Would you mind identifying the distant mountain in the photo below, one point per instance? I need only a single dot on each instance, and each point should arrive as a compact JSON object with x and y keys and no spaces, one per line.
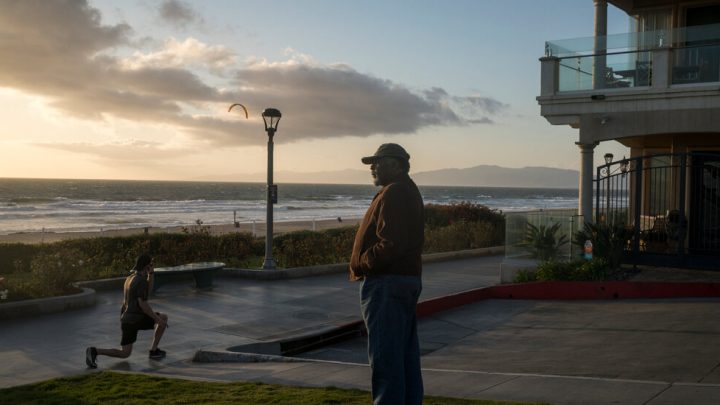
{"x":496,"y":176}
{"x":479,"y":176}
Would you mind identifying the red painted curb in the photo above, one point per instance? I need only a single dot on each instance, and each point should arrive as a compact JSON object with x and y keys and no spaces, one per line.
{"x":434,"y":305}
{"x":571,"y":290}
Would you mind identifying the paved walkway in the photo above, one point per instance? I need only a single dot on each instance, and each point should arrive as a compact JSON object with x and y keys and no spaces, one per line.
{"x":573,"y":352}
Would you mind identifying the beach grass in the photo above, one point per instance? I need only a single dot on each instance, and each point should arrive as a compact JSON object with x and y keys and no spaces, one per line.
{"x":124,"y":388}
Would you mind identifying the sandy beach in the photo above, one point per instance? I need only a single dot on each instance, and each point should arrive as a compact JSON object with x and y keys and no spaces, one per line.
{"x":257,"y":228}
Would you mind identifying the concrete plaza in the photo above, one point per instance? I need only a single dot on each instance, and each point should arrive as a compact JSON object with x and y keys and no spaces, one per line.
{"x":638,"y":351}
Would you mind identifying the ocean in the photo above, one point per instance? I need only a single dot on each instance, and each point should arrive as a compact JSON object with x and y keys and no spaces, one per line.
{"x":37,"y":205}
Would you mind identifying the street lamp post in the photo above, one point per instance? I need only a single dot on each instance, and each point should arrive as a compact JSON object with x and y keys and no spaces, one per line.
{"x":271,"y":116}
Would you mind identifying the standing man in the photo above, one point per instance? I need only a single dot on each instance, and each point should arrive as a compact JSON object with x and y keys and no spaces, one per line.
{"x":136,"y":314}
{"x":386,"y":257}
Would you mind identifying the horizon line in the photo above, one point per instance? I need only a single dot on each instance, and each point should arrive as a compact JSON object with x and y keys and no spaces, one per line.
{"x":263,"y":183}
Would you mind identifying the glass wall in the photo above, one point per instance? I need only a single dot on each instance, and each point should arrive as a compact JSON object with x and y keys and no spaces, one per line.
{"x":520,"y":238}
{"x":697,"y":56}
{"x":656,"y":22}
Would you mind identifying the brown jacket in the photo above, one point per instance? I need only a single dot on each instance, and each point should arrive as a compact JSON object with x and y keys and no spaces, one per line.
{"x":391,"y":235}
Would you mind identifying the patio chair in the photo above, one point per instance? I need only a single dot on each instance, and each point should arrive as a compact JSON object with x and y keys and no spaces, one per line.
{"x":675,"y":226}
{"x":611,"y":81}
{"x":655,"y":238}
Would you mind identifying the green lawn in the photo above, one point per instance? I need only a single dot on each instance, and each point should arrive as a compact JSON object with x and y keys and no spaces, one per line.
{"x":122,"y":388}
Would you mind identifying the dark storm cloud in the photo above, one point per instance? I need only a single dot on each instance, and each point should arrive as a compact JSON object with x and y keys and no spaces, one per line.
{"x":338,"y":101}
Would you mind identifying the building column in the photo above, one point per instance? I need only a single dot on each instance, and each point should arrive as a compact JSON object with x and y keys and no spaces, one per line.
{"x":585,"y":187}
{"x":600,"y":50}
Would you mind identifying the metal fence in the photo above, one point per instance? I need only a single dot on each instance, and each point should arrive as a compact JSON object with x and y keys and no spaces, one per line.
{"x":670,"y":201}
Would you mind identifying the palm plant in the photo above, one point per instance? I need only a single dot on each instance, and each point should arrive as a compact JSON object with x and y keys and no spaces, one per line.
{"x":543,"y":242}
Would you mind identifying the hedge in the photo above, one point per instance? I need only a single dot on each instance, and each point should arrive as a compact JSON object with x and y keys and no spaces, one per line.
{"x":36,"y":270}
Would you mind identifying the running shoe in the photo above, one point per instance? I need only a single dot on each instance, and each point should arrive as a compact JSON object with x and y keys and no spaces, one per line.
{"x":157,"y":354}
{"x":90,"y":356}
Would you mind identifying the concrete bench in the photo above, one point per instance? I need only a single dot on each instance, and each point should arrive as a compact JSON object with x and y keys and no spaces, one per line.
{"x":202,"y":272}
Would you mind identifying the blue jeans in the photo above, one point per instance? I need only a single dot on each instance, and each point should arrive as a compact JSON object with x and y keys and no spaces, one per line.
{"x":388,"y":308}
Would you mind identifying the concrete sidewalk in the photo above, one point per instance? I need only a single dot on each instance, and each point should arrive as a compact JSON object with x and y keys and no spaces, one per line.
{"x":563,"y":352}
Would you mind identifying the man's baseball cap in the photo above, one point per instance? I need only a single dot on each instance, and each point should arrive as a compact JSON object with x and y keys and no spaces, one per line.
{"x":387,"y":150}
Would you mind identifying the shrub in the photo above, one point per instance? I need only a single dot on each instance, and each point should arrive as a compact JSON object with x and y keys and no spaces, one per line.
{"x":305,"y":248}
{"x":578,"y":270}
{"x":17,"y":287}
{"x":461,"y":226}
{"x":463,"y":235}
{"x":596,"y":269}
{"x":525,"y":276}
{"x":609,"y":241}
{"x":239,"y":249}
{"x":52,"y":274}
{"x":15,"y":257}
{"x":443,"y":215}
{"x":557,"y":271}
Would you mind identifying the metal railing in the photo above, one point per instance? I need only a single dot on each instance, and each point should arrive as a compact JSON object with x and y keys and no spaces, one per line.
{"x":670,"y":201}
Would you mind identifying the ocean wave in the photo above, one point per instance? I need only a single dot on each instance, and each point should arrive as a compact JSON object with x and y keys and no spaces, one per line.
{"x":92,"y":205}
{"x":33,"y":200}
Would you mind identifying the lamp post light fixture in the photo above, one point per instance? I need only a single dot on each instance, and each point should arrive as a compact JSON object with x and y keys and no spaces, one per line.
{"x":608,"y":159}
{"x":271,"y":116}
{"x":624,"y":165}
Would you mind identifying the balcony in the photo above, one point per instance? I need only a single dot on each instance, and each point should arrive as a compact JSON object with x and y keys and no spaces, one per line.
{"x":633,"y":85}
{"x":657,"y":59}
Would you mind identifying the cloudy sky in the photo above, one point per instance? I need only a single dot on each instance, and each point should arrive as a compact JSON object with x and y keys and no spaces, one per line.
{"x":140,"y":89}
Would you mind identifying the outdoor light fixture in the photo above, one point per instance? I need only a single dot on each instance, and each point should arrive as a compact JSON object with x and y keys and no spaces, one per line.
{"x":271,"y":116}
{"x":624,"y":165}
{"x":606,"y":173}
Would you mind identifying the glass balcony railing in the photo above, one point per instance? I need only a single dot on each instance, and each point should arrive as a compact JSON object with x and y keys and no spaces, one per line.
{"x":626,"y":60}
{"x":699,"y":63}
{"x":620,"y":70}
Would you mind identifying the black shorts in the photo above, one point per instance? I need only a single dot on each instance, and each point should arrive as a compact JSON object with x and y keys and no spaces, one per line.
{"x":130,"y":329}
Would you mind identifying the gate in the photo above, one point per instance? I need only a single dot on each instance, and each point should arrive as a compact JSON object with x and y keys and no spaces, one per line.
{"x":670,"y":201}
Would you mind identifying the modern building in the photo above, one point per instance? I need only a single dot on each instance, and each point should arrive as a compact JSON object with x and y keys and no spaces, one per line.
{"x":655,"y":90}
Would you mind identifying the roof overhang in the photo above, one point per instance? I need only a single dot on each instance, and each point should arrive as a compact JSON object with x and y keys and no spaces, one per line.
{"x":624,"y":5}
{"x":631,"y":6}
